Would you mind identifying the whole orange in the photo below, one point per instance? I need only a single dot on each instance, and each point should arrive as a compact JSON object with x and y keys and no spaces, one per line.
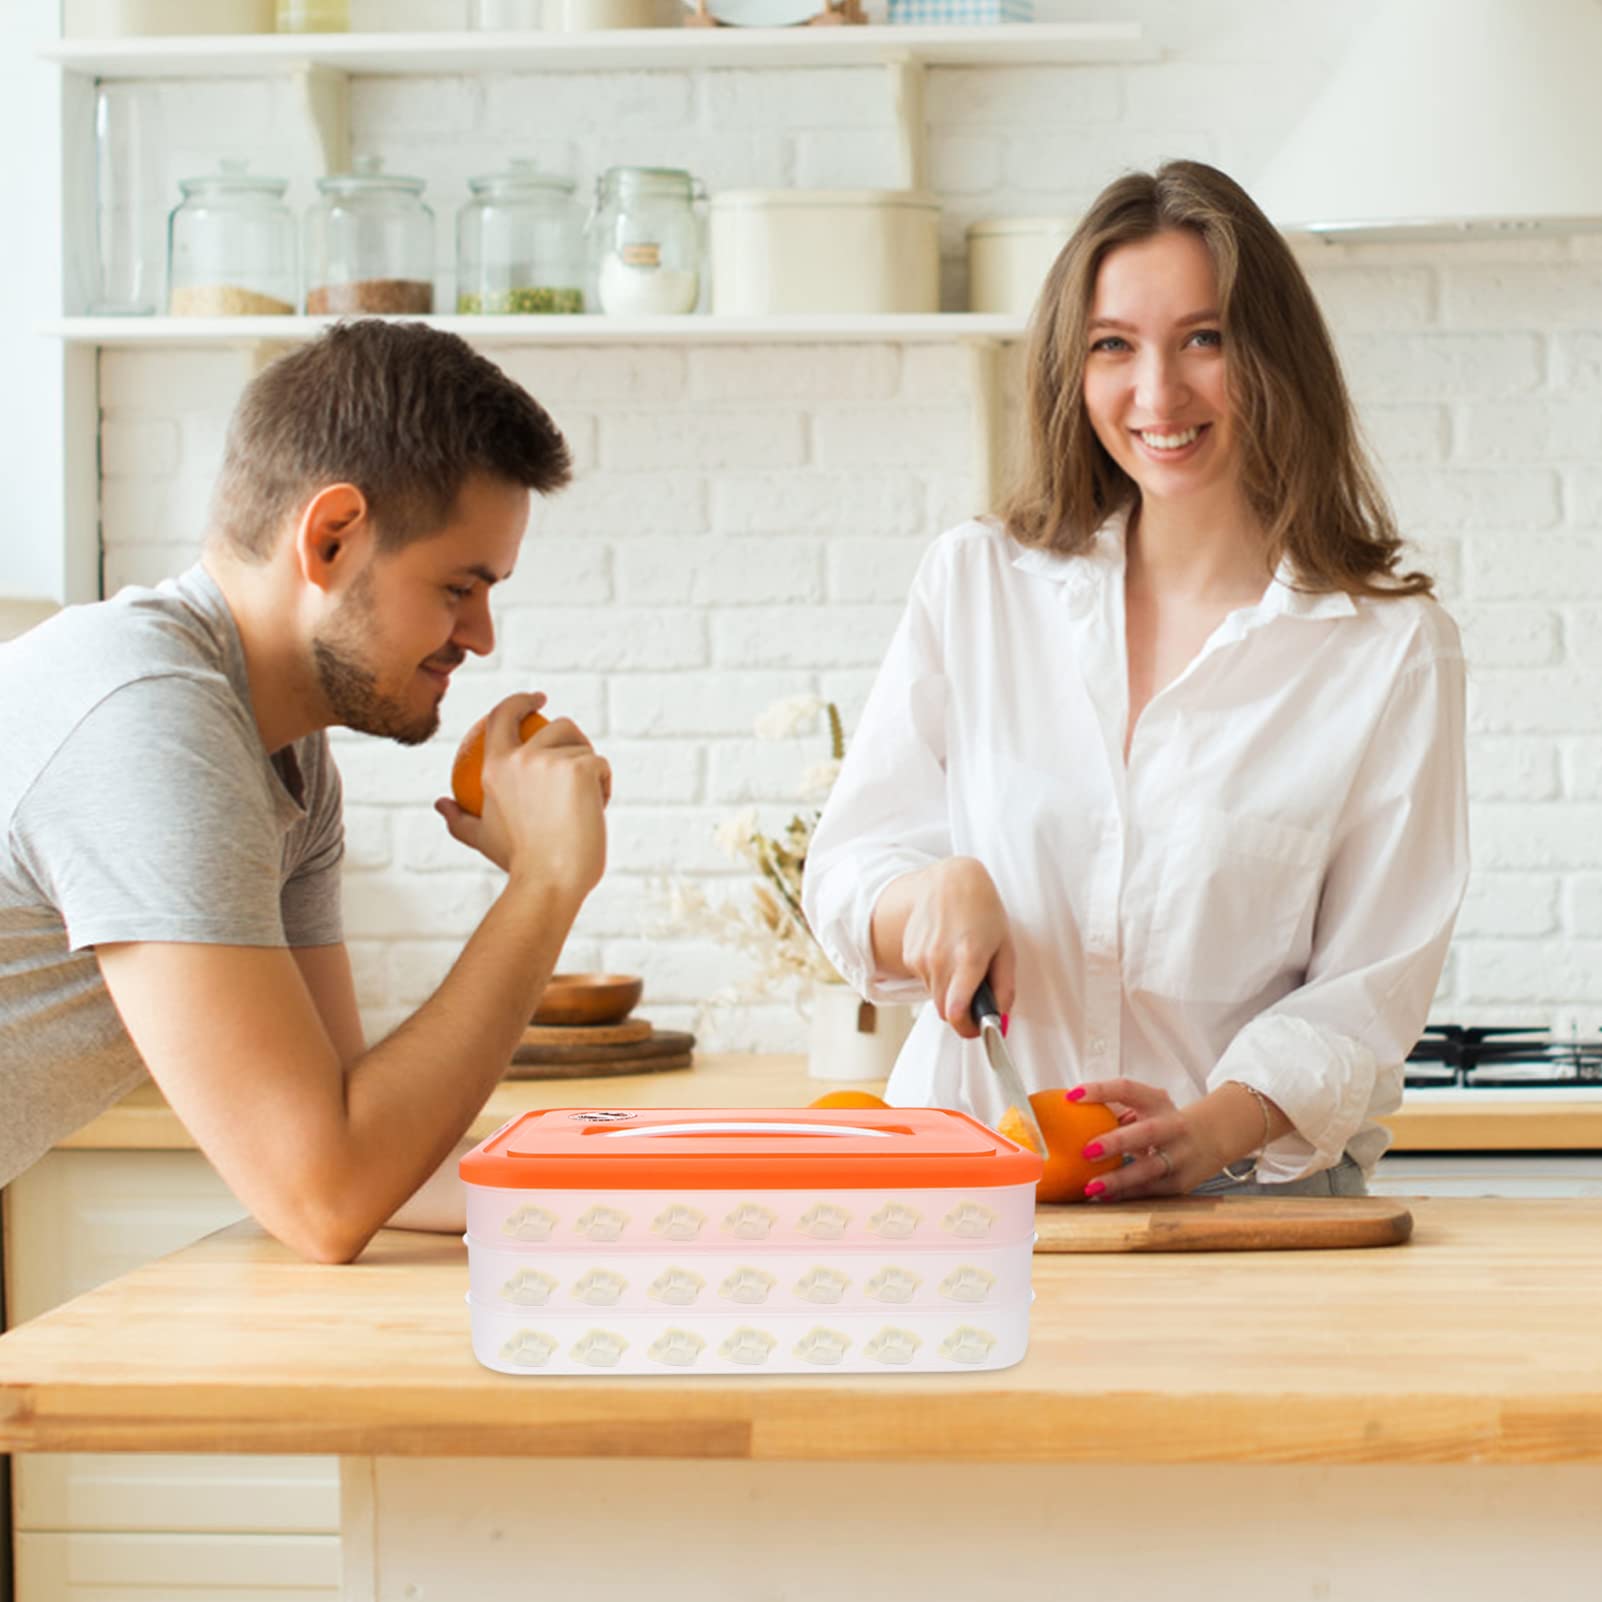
{"x":1068,"y":1126}
{"x":467,"y":771}
{"x":848,"y":1098}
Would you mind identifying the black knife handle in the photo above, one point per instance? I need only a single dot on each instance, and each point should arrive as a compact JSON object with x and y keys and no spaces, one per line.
{"x":983,"y":1004}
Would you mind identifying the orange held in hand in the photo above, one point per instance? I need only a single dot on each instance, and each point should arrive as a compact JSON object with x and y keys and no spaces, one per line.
{"x":848,"y":1098}
{"x":1069,"y":1126}
{"x":467,"y":772}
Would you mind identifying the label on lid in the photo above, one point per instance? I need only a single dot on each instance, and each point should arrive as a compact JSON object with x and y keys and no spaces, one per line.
{"x":772,"y":1148}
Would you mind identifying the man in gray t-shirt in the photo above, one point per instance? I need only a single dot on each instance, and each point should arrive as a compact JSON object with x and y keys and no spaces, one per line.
{"x":141,"y":806}
{"x":170,"y":827}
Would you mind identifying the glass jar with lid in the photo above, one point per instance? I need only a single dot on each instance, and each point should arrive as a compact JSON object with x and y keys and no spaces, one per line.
{"x":645,"y":242}
{"x":520,"y":244}
{"x":369,"y":244}
{"x":313,"y":16}
{"x":231,"y":247}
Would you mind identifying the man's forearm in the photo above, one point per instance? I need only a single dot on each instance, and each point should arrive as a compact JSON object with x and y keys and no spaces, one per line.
{"x":409,"y":1099}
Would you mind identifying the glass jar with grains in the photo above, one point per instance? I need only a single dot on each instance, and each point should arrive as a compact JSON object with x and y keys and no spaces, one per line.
{"x":645,"y":240}
{"x":369,"y":244}
{"x":519,"y":244}
{"x":231,"y":247}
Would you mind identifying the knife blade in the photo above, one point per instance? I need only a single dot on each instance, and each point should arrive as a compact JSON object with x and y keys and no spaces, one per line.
{"x":988,"y":1016}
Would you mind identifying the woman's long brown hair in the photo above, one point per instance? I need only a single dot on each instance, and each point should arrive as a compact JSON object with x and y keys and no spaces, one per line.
{"x":1304,"y":471}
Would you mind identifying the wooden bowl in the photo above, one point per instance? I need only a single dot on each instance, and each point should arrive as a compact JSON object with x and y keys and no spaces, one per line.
{"x":589,"y":998}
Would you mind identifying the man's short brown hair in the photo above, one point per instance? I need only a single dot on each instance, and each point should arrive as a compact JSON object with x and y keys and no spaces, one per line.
{"x":401,"y":410}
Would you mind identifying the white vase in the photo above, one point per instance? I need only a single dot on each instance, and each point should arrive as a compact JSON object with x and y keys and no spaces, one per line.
{"x":852,"y":1039}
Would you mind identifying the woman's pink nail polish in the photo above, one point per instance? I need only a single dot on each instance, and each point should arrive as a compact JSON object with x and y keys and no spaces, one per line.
{"x":1095,"y":1188}
{"x":1005,"y":1018}
{"x":1094,"y":1150}
{"x":1076,"y":1093}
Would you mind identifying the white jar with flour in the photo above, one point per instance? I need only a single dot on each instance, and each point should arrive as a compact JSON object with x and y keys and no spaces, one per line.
{"x":645,"y":242}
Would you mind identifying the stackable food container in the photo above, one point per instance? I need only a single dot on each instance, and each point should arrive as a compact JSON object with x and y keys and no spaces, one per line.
{"x":748,"y":1241}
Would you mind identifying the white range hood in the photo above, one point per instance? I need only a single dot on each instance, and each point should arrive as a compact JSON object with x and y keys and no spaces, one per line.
{"x":1451,"y":117}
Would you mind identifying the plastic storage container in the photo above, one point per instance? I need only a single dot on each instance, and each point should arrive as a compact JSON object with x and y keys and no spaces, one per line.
{"x":370,"y":244}
{"x":1008,"y":259}
{"x":824,"y":250}
{"x":520,"y":245}
{"x":645,"y":242}
{"x":739,"y":1241}
{"x":231,"y":247}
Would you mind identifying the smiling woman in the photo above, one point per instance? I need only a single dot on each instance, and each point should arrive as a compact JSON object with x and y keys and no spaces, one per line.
{"x":1171,"y":749}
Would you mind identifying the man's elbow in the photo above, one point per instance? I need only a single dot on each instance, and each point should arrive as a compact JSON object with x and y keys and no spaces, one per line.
{"x":326,"y":1233}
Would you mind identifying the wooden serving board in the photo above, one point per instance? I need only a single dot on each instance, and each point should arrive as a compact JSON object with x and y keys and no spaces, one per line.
{"x":664,"y":1050}
{"x":588,"y":1035}
{"x":597,"y":1070}
{"x":1223,"y":1224}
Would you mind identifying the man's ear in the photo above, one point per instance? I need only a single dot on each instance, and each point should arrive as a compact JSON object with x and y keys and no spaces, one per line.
{"x":334,"y":537}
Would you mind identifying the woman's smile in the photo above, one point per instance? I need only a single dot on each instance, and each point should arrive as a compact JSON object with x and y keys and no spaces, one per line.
{"x":1171,"y":443}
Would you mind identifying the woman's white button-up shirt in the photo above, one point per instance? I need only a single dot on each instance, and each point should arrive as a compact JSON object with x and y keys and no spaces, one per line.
{"x":1265,"y":892}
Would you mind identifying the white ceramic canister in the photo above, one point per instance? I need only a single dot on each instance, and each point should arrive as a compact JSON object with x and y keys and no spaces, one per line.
{"x":824,"y":250}
{"x":852,"y":1039}
{"x":113,"y":19}
{"x":1008,"y":259}
{"x":581,"y":16}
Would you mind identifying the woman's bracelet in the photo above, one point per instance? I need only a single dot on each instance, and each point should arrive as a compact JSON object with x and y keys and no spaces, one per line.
{"x":1249,"y":1162}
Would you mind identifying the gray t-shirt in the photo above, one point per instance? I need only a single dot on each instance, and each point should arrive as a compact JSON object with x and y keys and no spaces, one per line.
{"x":137,"y":802}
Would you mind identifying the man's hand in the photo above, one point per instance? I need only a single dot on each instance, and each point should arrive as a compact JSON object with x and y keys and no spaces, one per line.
{"x":544,"y":801}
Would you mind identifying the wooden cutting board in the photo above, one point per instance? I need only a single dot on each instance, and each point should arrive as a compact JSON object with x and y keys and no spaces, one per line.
{"x":659,"y":1043}
{"x":1224,"y":1224}
{"x":598,"y":1070}
{"x":662,"y":1050}
{"x":588,"y":1035}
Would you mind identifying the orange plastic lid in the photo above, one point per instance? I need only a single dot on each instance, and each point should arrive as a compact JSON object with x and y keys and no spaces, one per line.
{"x":768,"y":1148}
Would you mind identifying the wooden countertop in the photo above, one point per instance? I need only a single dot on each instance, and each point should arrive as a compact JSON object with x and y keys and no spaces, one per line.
{"x":1479,"y":1342}
{"x":142,"y":1120}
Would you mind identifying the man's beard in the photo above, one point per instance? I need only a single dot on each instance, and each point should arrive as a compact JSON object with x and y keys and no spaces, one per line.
{"x":351,"y":687}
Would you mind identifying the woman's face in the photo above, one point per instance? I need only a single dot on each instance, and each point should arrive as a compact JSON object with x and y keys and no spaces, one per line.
{"x":1155,"y":371}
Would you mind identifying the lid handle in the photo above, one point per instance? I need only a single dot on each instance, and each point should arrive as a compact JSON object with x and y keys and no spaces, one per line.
{"x":743,"y":1129}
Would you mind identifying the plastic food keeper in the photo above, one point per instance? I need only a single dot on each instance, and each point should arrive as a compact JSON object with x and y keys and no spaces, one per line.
{"x":749,"y":1240}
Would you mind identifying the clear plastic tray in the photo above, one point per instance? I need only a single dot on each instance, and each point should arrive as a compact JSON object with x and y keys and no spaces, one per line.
{"x":753,"y":1341}
{"x":581,"y":1220}
{"x":803,"y":1280}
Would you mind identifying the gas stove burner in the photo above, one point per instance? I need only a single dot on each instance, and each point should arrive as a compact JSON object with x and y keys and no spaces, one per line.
{"x":1502,"y":1057}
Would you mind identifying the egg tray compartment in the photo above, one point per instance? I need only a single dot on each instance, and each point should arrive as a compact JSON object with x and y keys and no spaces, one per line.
{"x":545,"y":1220}
{"x":797,"y":1279}
{"x":591,"y":1342}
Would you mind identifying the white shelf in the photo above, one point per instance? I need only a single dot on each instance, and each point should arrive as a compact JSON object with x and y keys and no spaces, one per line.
{"x":189,"y":333}
{"x":254,"y":55}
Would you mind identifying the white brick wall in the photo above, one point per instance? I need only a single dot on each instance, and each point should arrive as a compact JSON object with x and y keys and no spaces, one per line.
{"x":745,"y":520}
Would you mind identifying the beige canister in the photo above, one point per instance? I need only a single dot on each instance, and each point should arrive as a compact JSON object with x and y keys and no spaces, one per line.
{"x":111,"y":19}
{"x":1008,"y":259}
{"x":824,"y":250}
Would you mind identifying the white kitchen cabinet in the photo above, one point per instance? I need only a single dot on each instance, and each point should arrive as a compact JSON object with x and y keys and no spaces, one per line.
{"x":93,"y":1527}
{"x":82,"y":1567}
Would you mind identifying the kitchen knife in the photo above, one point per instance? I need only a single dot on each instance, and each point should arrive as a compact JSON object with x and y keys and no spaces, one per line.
{"x":988,"y":1016}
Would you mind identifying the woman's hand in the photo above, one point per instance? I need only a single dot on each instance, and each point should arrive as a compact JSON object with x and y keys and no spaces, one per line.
{"x":1172,"y":1151}
{"x":956,"y":932}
